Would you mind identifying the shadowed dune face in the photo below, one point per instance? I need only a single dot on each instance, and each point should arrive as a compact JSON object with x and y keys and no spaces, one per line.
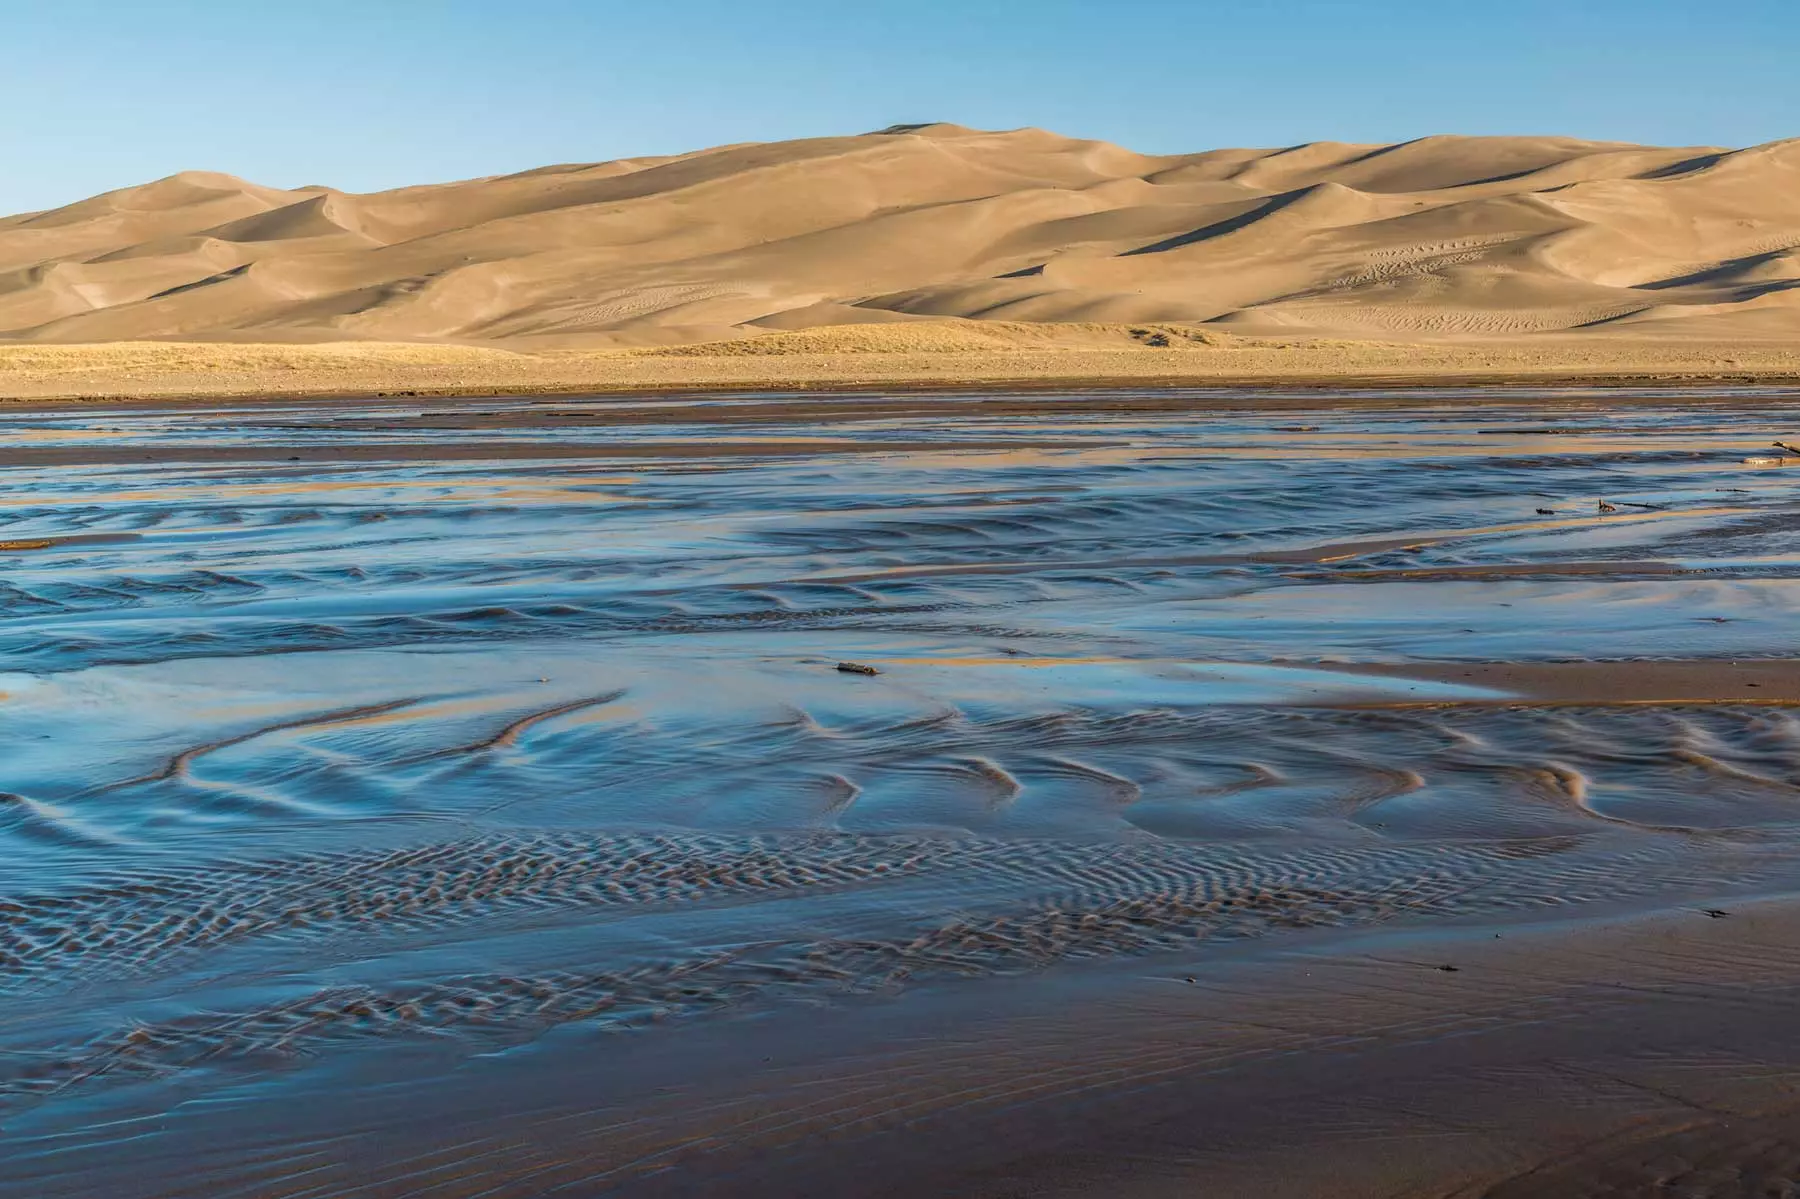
{"x":1446,"y":235}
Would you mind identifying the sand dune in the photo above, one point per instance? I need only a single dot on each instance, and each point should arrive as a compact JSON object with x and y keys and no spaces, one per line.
{"x":1445,"y":236}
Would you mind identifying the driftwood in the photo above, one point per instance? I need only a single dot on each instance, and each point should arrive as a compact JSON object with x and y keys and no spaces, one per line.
{"x":856,"y":668}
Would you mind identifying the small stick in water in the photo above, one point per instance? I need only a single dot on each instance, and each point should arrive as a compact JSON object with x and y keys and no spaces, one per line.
{"x":1782,"y":445}
{"x":856,"y":668}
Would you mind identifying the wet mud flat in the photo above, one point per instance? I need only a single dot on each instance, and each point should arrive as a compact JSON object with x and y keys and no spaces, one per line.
{"x":462,"y":797}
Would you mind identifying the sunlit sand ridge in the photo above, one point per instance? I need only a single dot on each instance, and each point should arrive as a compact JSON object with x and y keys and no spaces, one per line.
{"x":1445,"y":234}
{"x":924,"y":253}
{"x":366,"y":757}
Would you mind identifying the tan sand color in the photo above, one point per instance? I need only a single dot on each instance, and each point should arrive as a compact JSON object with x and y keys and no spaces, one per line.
{"x":926,"y":253}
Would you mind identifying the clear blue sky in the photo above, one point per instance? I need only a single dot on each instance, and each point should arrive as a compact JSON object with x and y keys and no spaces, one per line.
{"x":365,"y":94}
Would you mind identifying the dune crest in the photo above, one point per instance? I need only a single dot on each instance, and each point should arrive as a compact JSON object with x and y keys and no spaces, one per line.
{"x":1458,"y":236}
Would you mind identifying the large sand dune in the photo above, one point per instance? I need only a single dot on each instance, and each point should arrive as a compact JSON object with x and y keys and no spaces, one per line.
{"x":1446,"y":236}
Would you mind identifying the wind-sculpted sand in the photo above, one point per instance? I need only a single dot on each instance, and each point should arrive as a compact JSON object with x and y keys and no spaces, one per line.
{"x":1256,"y":793}
{"x":1444,"y":236}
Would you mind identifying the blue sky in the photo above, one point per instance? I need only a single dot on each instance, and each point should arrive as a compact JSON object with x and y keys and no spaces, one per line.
{"x":377,"y":93}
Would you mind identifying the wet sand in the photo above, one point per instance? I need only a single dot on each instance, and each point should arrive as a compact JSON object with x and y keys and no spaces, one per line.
{"x":1708,"y":681}
{"x":461,"y":797}
{"x":1589,"y":1057}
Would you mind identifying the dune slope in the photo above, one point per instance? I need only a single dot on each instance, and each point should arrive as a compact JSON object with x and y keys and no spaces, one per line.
{"x":1477,"y":237}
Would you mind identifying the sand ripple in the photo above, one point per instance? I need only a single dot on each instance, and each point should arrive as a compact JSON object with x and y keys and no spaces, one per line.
{"x":306,"y":754}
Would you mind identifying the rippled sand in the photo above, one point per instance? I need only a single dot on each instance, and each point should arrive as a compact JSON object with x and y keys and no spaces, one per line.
{"x":422,"y":798}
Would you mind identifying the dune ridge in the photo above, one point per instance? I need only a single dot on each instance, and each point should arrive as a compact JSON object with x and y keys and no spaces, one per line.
{"x":1453,"y":238}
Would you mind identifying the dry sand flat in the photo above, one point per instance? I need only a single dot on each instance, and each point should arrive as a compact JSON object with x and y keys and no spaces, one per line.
{"x":934,"y":354}
{"x":1578,"y":255}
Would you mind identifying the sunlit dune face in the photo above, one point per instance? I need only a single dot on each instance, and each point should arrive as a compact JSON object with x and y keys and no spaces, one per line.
{"x":940,"y":243}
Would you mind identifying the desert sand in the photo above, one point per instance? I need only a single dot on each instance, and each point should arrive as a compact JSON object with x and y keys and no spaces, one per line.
{"x":925,"y":253}
{"x":1285,"y":791}
{"x":938,"y":355}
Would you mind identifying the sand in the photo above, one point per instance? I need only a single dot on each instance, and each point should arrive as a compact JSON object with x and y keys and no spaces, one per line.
{"x":1625,"y":1056}
{"x":1101,"y":356}
{"x":1672,"y":682}
{"x":926,"y":254}
{"x":1260,"y":795}
{"x":1269,"y":788}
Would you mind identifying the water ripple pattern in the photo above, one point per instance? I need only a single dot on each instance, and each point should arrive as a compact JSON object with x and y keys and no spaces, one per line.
{"x":344,"y":723}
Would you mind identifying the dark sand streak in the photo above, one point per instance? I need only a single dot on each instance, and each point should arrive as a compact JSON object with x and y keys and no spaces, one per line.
{"x":314,"y":453}
{"x":1771,"y":681}
{"x":178,"y":765}
{"x":510,"y":734}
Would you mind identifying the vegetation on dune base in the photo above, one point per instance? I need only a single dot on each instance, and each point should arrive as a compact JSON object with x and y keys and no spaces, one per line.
{"x":910,"y":338}
{"x":894,"y":353}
